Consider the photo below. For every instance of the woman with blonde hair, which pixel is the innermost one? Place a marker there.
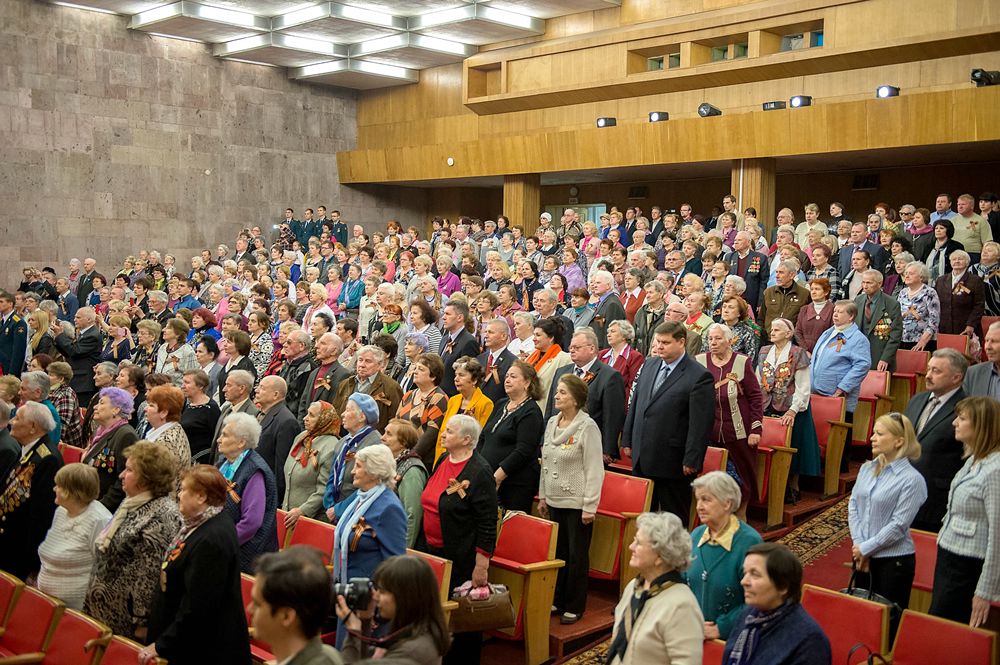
(886, 497)
(967, 576)
(41, 341)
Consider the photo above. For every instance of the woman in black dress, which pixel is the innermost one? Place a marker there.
(512, 437)
(200, 414)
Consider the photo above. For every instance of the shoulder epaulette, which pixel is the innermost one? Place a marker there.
(43, 451)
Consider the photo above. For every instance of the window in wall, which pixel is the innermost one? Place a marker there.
(791, 42)
(673, 60)
(815, 38)
(740, 50)
(654, 64)
(720, 53)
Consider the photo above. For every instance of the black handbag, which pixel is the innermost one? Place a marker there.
(895, 611)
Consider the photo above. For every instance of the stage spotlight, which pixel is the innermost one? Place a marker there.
(800, 100)
(658, 116)
(773, 106)
(607, 122)
(983, 77)
(705, 110)
(884, 91)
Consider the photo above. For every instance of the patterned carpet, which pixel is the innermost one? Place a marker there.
(810, 541)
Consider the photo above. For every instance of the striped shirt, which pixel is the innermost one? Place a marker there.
(883, 507)
(970, 525)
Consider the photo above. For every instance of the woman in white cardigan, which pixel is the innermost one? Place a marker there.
(570, 489)
(67, 553)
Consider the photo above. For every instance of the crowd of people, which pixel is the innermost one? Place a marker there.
(408, 389)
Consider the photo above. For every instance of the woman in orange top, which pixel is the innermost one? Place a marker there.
(470, 400)
(548, 356)
(425, 404)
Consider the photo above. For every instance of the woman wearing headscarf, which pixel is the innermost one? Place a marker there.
(307, 466)
(199, 581)
(372, 523)
(359, 418)
(130, 548)
(251, 500)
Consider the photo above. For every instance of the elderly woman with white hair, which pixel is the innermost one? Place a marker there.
(719, 546)
(737, 286)
(253, 491)
(460, 517)
(739, 408)
(372, 523)
(920, 306)
(657, 619)
(620, 355)
(522, 344)
(988, 269)
(963, 297)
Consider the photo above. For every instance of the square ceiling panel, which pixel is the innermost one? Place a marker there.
(334, 22)
(550, 8)
(197, 22)
(261, 7)
(126, 7)
(355, 74)
(280, 50)
(412, 50)
(409, 7)
(477, 24)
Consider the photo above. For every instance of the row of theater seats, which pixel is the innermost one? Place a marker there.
(37, 628)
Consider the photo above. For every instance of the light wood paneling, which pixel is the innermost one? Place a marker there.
(753, 183)
(522, 200)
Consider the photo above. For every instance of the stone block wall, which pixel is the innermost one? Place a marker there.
(113, 140)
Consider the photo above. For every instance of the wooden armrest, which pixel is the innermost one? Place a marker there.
(3, 630)
(610, 513)
(449, 605)
(102, 641)
(23, 658)
(839, 423)
(784, 450)
(878, 396)
(540, 565)
(630, 515)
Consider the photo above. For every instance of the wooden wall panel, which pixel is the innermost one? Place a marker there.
(522, 200)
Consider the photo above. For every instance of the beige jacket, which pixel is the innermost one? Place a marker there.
(668, 631)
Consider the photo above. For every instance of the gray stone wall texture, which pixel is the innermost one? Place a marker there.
(113, 140)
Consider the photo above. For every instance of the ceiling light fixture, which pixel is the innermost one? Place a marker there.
(658, 116)
(800, 100)
(773, 106)
(984, 77)
(706, 110)
(607, 122)
(884, 91)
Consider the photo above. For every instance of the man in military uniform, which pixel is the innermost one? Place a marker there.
(13, 336)
(27, 501)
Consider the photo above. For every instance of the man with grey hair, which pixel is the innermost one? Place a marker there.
(10, 449)
(784, 299)
(82, 353)
(86, 284)
(278, 427)
(544, 302)
(984, 378)
(932, 413)
(29, 492)
(369, 379)
(35, 387)
(678, 311)
(752, 266)
(298, 365)
(496, 359)
(605, 390)
(322, 383)
(608, 307)
(158, 310)
(236, 390)
(880, 320)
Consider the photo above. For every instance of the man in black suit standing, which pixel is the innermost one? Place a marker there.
(322, 383)
(82, 353)
(496, 359)
(609, 307)
(932, 413)
(456, 342)
(86, 284)
(667, 425)
(860, 243)
(278, 427)
(605, 394)
(752, 266)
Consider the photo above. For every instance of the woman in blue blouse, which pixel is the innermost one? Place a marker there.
(349, 299)
(921, 308)
(886, 498)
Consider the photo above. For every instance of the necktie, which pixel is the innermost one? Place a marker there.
(928, 410)
(579, 372)
(661, 376)
(489, 362)
(868, 309)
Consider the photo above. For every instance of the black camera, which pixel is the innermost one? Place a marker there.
(357, 593)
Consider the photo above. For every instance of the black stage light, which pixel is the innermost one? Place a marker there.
(773, 106)
(800, 100)
(705, 110)
(607, 122)
(884, 91)
(983, 77)
(658, 116)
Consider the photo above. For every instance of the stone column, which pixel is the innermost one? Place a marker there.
(753, 184)
(522, 200)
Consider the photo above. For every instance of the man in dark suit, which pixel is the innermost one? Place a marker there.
(609, 307)
(667, 425)
(859, 242)
(86, 284)
(323, 381)
(66, 301)
(158, 310)
(605, 390)
(278, 427)
(932, 413)
(13, 337)
(984, 378)
(456, 342)
(236, 390)
(496, 359)
(82, 353)
(880, 320)
(544, 302)
(752, 267)
(27, 498)
(242, 252)
(297, 368)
